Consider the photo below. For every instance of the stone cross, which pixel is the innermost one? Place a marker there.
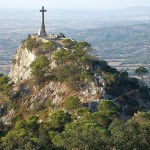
(42, 31)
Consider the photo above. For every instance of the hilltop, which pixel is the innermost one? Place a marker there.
(57, 88)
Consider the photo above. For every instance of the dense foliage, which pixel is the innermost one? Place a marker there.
(72, 103)
(39, 67)
(4, 82)
(73, 66)
(38, 46)
(141, 71)
(68, 43)
(87, 130)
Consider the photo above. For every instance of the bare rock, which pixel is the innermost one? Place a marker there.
(20, 69)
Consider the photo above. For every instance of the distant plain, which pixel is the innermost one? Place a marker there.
(119, 36)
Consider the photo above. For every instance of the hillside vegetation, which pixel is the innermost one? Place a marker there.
(72, 100)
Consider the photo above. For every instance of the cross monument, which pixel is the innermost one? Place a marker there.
(42, 31)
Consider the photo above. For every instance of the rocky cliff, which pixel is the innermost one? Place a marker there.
(20, 69)
(51, 71)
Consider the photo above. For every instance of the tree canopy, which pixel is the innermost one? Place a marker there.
(141, 71)
(38, 68)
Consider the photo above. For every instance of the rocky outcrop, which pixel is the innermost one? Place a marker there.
(6, 119)
(57, 92)
(29, 95)
(33, 97)
(20, 69)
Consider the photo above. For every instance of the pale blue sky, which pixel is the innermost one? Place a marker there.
(73, 4)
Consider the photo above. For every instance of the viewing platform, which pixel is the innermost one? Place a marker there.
(49, 37)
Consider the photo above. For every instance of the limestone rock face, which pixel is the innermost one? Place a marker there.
(57, 92)
(30, 95)
(20, 69)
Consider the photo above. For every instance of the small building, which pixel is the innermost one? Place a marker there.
(53, 36)
(61, 35)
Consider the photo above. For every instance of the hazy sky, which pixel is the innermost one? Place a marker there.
(73, 4)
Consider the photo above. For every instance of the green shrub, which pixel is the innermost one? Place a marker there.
(4, 82)
(141, 71)
(32, 43)
(69, 43)
(49, 46)
(81, 111)
(144, 93)
(59, 118)
(82, 45)
(38, 69)
(108, 108)
(73, 67)
(72, 103)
